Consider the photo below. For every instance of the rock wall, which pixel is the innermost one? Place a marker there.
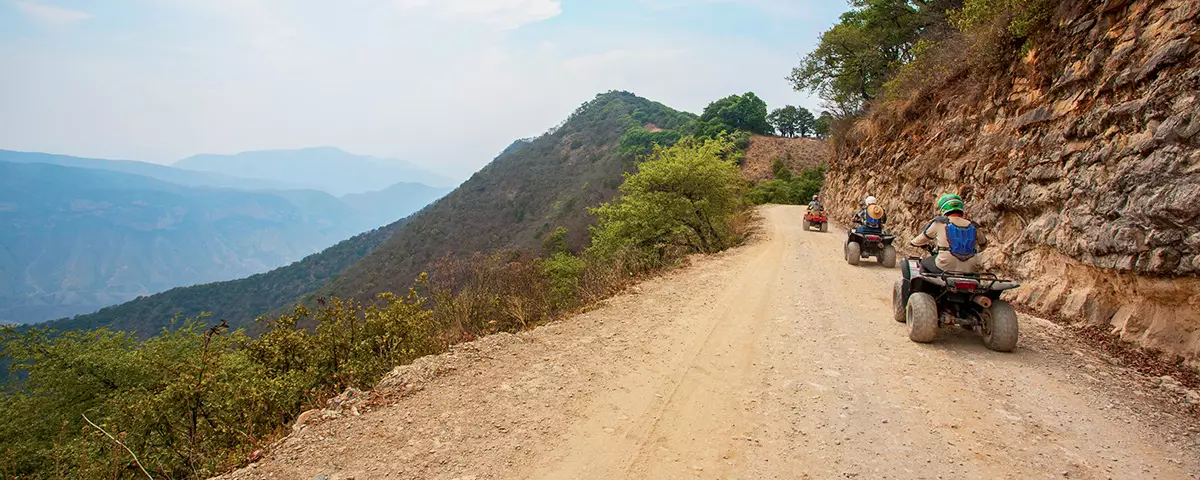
(1081, 160)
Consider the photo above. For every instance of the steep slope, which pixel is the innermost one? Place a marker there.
(190, 178)
(325, 168)
(525, 193)
(1082, 159)
(381, 207)
(78, 239)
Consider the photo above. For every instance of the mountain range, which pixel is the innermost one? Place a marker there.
(82, 234)
(324, 168)
(533, 187)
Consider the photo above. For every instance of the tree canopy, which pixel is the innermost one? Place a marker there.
(865, 48)
(681, 198)
(735, 113)
(792, 121)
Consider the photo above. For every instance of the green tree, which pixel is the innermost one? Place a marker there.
(745, 113)
(682, 198)
(791, 121)
(820, 125)
(784, 120)
(854, 59)
(803, 124)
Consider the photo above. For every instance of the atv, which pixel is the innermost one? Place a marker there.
(815, 218)
(927, 301)
(866, 245)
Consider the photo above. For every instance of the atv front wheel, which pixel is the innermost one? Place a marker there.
(888, 257)
(823, 227)
(853, 253)
(922, 317)
(898, 301)
(1000, 327)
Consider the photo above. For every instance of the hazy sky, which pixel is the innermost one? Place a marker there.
(443, 83)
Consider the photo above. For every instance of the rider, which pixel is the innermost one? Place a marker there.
(815, 205)
(955, 241)
(871, 218)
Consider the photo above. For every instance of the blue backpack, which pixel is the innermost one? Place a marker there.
(962, 240)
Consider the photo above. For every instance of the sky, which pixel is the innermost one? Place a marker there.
(446, 84)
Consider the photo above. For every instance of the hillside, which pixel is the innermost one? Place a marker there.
(532, 188)
(1081, 157)
(179, 176)
(76, 240)
(323, 168)
(524, 194)
(797, 153)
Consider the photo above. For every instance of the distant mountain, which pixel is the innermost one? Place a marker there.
(75, 240)
(533, 187)
(238, 301)
(325, 168)
(165, 173)
(380, 208)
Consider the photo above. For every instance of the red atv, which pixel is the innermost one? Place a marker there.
(815, 218)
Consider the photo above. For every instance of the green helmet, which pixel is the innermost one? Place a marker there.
(950, 202)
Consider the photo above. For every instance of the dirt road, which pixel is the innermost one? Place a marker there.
(773, 360)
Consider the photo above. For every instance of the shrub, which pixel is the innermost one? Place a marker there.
(787, 189)
(563, 272)
(994, 28)
(679, 201)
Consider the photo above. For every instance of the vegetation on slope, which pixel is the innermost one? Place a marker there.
(521, 197)
(195, 401)
(885, 50)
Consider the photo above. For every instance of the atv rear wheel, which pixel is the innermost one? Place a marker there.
(853, 253)
(1000, 327)
(898, 301)
(921, 314)
(887, 258)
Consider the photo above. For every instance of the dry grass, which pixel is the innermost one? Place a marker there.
(798, 154)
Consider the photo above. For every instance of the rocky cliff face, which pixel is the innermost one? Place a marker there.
(1082, 160)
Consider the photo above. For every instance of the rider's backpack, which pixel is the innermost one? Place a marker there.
(962, 240)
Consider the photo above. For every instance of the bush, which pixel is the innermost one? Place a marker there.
(993, 29)
(786, 189)
(679, 201)
(563, 271)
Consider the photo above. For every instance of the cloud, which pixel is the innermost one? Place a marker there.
(50, 14)
(507, 14)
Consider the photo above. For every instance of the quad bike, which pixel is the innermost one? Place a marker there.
(927, 301)
(865, 245)
(815, 218)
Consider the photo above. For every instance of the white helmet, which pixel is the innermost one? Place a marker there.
(871, 200)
